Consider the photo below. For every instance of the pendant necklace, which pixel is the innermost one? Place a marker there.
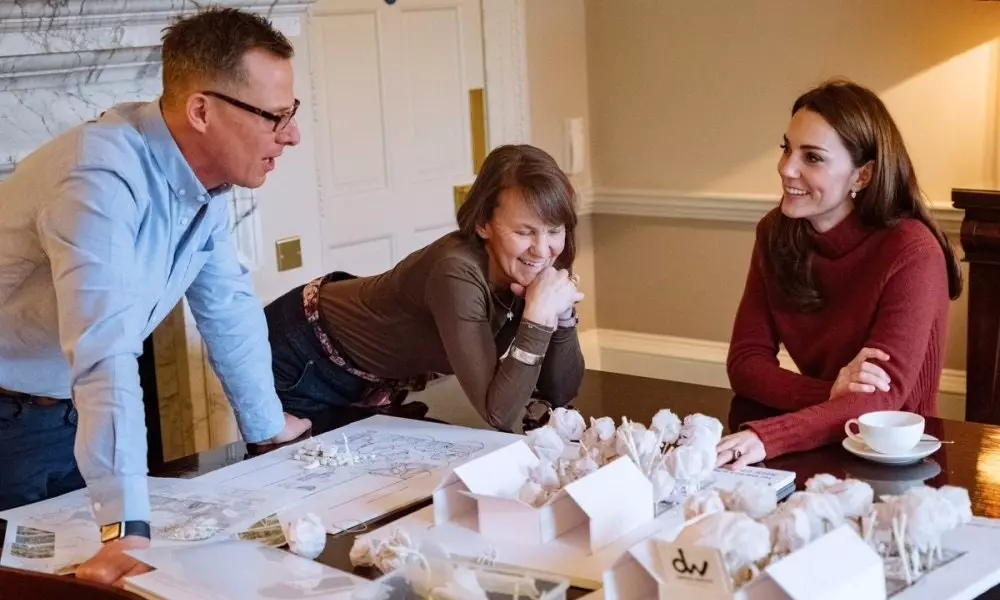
(510, 309)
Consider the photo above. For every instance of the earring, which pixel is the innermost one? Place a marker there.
(854, 194)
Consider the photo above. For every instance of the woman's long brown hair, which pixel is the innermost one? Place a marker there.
(869, 133)
(546, 189)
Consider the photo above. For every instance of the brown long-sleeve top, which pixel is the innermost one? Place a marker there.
(436, 311)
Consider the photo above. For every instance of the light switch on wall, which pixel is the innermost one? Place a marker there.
(289, 253)
(575, 145)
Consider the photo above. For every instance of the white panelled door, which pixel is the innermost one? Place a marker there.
(393, 136)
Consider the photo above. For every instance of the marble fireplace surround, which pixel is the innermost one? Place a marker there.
(65, 61)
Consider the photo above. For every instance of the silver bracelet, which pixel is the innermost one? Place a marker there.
(525, 357)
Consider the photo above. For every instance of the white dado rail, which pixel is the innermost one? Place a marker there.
(63, 62)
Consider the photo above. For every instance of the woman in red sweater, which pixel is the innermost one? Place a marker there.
(850, 273)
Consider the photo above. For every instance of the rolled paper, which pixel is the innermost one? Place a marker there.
(545, 474)
(582, 467)
(929, 515)
(546, 443)
(530, 493)
(689, 464)
(742, 541)
(699, 429)
(569, 424)
(819, 483)
(823, 510)
(667, 425)
(959, 498)
(790, 530)
(703, 503)
(362, 554)
(306, 536)
(629, 435)
(755, 499)
(663, 484)
(648, 442)
(855, 496)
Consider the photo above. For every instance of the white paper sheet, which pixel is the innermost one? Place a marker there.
(174, 503)
(26, 547)
(404, 461)
(158, 585)
(207, 571)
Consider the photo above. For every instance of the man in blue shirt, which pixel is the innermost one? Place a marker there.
(104, 229)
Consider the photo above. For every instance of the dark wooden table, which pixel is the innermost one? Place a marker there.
(972, 462)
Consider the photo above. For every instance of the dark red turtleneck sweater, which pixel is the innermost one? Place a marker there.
(885, 288)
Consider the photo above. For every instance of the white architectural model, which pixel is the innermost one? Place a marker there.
(766, 553)
(609, 502)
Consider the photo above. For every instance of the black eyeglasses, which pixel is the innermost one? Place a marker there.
(280, 121)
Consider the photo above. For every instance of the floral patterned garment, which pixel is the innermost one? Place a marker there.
(382, 390)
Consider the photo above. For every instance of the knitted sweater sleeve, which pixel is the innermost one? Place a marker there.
(909, 327)
(752, 364)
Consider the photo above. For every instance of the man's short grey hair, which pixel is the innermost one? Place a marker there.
(208, 49)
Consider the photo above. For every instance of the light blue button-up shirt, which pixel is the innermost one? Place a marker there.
(102, 231)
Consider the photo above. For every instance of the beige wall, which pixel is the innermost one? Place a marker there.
(557, 88)
(694, 97)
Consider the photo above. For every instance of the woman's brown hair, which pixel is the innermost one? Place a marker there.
(870, 135)
(546, 190)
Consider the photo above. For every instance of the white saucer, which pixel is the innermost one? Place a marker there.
(928, 445)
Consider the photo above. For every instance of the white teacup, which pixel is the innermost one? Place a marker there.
(887, 431)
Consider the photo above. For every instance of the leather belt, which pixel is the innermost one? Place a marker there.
(39, 401)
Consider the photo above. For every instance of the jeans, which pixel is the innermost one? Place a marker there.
(36, 451)
(308, 384)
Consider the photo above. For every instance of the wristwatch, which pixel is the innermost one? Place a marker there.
(120, 529)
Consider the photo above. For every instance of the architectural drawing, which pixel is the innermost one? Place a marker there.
(400, 462)
(174, 503)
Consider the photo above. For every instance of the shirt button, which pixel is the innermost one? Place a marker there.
(97, 506)
(184, 220)
(183, 192)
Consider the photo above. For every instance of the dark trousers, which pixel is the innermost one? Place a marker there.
(308, 383)
(36, 451)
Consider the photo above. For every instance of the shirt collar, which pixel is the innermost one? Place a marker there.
(181, 178)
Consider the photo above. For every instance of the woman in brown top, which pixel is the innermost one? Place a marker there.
(492, 303)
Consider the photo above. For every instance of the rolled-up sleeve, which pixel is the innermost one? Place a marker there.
(89, 233)
(231, 320)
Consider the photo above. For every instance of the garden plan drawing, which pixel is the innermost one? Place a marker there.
(400, 462)
(182, 511)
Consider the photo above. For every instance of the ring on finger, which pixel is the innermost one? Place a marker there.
(737, 453)
(575, 279)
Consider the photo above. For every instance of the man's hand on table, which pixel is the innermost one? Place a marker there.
(294, 428)
(111, 565)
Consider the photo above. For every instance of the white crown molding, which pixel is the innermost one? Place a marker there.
(714, 206)
(703, 362)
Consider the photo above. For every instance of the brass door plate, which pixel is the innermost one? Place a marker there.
(460, 192)
(289, 253)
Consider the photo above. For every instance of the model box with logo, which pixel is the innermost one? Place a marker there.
(609, 503)
(837, 565)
